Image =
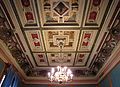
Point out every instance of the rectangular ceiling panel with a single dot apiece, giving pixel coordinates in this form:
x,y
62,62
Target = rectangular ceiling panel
x,y
35,40
69,38
61,13
40,59
87,39
63,59
81,59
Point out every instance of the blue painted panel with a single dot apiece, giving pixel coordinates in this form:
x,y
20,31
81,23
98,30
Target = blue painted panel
x,y
8,78
11,79
105,83
2,64
115,76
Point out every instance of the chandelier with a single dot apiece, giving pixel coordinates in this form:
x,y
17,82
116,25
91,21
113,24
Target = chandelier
x,y
60,75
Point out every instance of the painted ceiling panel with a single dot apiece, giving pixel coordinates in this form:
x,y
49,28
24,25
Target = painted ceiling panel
x,y
95,12
81,59
53,37
61,13
40,59
63,59
26,12
35,40
87,39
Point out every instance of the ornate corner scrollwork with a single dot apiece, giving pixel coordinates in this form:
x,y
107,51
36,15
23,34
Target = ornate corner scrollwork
x,y
115,32
7,35
108,46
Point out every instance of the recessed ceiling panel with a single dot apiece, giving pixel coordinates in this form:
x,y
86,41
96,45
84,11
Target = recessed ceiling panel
x,y
26,12
81,59
68,37
63,59
35,40
61,12
87,39
95,12
40,59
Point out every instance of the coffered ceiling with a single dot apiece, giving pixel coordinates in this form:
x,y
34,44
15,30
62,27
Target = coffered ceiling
x,y
88,29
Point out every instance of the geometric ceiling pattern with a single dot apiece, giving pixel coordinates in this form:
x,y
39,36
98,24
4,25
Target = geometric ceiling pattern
x,y
32,30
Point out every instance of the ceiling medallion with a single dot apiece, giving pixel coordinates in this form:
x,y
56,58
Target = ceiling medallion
x,y
60,75
61,8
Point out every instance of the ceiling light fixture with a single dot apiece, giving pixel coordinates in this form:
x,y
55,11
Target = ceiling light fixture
x,y
60,75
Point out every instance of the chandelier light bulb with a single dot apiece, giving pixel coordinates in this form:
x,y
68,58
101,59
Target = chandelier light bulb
x,y
58,67
71,76
48,74
53,70
65,68
69,72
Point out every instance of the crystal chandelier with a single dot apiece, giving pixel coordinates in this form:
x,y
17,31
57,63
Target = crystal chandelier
x,y
60,75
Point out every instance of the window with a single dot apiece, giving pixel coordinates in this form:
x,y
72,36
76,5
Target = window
x,y
2,80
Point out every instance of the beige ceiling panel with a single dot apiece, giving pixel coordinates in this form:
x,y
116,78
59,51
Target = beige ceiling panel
x,y
64,13
69,38
63,59
87,40
35,40
40,59
81,59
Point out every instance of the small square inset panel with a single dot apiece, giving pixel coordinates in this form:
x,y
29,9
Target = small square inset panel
x,y
95,12
40,59
65,59
35,40
26,12
69,38
81,59
87,39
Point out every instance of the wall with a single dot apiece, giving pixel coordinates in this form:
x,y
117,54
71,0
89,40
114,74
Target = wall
x,y
112,79
59,86
34,85
11,79
2,67
84,86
